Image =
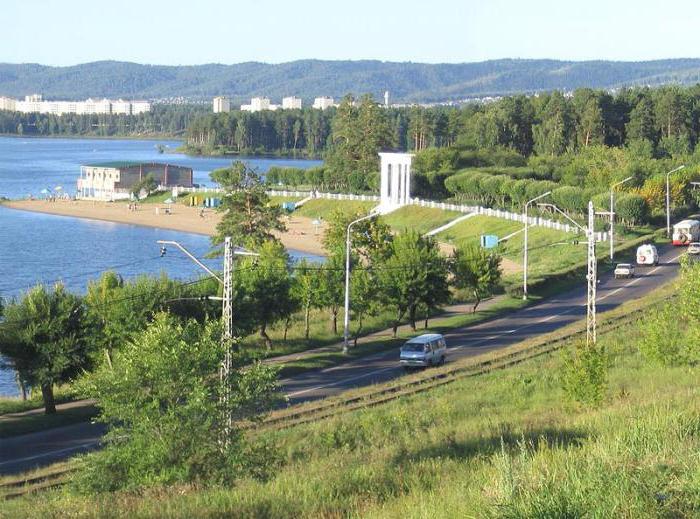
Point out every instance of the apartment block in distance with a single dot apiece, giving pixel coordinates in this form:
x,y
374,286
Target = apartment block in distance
x,y
321,103
36,104
221,104
291,103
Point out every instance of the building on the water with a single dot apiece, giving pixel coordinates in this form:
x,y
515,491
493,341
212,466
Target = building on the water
x,y
115,180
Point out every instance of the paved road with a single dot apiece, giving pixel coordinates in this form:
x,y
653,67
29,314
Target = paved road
x,y
538,319
28,451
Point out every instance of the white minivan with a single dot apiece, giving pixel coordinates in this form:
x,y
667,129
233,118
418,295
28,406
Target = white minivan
x,y
429,349
647,255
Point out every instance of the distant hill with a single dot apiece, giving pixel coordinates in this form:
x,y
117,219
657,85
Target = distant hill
x,y
407,82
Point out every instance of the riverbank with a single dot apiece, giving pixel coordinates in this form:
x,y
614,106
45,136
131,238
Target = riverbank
x,y
301,234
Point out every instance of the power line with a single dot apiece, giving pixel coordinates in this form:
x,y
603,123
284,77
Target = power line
x,y
20,324
82,274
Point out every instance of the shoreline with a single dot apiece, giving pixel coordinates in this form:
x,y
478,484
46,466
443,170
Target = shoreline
x,y
95,137
301,234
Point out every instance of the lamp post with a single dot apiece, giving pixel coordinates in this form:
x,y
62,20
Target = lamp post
x,y
612,215
552,206
346,322
527,224
668,200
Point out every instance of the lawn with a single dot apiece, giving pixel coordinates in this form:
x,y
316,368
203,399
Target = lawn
x,y
550,251
322,208
421,219
504,444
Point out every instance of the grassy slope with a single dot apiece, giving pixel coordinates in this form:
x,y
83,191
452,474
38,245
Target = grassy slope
x,y
421,219
504,444
320,208
550,251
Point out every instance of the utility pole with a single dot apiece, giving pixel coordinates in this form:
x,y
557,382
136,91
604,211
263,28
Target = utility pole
x,y
227,337
527,224
346,321
592,279
226,314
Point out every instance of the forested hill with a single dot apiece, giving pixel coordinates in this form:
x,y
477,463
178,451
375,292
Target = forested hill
x,y
407,82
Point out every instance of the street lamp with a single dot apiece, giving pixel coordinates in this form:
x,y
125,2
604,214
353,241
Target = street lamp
x,y
612,215
527,224
346,324
552,206
668,200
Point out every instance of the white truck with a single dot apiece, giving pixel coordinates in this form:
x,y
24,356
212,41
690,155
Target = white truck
x,y
686,232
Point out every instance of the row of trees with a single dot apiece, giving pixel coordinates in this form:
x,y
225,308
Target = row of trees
x,y
163,119
492,190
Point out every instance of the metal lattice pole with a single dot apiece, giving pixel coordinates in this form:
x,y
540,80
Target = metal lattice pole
x,y
227,317
592,279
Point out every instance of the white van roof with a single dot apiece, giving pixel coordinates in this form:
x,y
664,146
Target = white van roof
x,y
426,337
684,223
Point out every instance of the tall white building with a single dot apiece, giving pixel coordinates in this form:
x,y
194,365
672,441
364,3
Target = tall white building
x,y
121,107
321,103
140,107
7,103
291,103
258,104
221,104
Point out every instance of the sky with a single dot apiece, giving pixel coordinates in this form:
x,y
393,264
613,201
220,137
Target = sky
x,y
174,32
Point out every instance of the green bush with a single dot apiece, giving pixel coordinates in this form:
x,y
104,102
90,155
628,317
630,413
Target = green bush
x,y
632,209
664,339
585,373
162,400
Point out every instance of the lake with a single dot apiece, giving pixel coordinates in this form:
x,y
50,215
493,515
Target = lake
x,y
44,248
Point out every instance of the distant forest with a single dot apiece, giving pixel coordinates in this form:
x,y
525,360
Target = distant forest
x,y
407,82
163,120
666,120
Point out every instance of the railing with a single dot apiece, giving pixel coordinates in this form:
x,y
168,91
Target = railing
x,y
326,196
536,221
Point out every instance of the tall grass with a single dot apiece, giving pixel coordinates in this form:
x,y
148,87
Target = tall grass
x,y
505,444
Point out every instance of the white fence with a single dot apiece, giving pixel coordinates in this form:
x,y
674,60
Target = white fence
x,y
536,221
326,196
497,213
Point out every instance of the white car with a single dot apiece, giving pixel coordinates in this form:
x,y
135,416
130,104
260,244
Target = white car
x,y
647,254
694,248
624,270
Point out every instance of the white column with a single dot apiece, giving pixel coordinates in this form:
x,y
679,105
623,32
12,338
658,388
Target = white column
x,y
407,183
385,179
399,183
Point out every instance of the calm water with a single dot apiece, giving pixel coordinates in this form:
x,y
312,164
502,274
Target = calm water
x,y
45,248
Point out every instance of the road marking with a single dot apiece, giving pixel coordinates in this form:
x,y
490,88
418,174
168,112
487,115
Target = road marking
x,y
337,382
51,453
487,339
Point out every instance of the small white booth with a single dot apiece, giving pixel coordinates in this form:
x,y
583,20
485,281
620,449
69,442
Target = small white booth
x,y
395,189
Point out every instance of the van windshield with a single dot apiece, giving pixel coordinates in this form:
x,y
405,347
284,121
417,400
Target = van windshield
x,y
413,346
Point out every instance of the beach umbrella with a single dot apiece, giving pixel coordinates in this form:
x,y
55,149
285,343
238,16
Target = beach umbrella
x,y
169,201
44,191
58,188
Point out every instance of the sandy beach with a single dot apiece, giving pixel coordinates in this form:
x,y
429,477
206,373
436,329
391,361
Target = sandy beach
x,y
301,234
